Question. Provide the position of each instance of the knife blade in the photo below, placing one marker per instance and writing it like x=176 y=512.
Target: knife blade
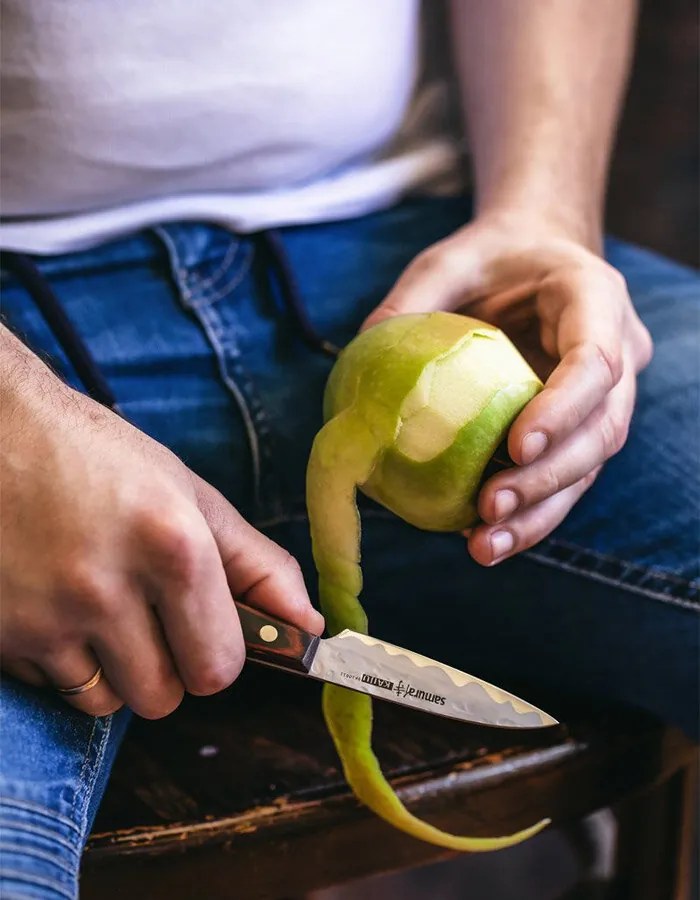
x=385 y=671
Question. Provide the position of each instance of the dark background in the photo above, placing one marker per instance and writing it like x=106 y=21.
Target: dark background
x=653 y=197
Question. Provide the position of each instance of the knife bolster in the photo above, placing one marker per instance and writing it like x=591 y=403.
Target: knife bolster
x=274 y=642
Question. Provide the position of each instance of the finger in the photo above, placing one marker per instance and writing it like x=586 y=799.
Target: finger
x=442 y=277
x=600 y=437
x=182 y=574
x=491 y=544
x=137 y=662
x=583 y=311
x=257 y=568
x=73 y=667
x=24 y=670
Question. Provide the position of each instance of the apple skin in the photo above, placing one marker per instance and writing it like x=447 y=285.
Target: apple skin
x=376 y=374
x=414 y=408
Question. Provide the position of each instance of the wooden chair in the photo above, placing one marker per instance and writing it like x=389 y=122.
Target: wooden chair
x=241 y=796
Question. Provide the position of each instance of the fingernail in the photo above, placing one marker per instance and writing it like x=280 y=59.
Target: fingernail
x=501 y=543
x=505 y=503
x=534 y=444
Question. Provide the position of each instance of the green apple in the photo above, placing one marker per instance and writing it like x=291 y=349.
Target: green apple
x=415 y=408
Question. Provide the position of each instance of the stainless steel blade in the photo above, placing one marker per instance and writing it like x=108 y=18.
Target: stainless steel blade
x=374 y=667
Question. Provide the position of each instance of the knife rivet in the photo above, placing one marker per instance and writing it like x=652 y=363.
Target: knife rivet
x=268 y=633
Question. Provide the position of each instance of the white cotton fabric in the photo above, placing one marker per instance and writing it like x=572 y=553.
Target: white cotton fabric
x=245 y=113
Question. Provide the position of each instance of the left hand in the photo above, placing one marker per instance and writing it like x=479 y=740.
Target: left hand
x=571 y=316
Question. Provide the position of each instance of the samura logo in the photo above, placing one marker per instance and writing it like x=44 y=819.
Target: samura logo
x=402 y=689
x=406 y=690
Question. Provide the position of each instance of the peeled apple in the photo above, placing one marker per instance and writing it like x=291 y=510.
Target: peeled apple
x=414 y=409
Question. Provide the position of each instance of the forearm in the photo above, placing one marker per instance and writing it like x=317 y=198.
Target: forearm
x=32 y=396
x=541 y=85
x=24 y=378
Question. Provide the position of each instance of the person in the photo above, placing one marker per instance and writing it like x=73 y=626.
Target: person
x=199 y=201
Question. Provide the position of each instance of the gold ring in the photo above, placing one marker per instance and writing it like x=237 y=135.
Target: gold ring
x=85 y=686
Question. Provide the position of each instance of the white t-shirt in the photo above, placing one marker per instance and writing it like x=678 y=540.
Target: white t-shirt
x=246 y=113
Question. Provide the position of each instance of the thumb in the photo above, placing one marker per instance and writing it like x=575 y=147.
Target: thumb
x=443 y=277
x=256 y=567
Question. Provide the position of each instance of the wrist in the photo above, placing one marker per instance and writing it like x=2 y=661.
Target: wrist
x=542 y=215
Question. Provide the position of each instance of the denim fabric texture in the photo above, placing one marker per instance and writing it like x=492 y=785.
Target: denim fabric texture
x=187 y=326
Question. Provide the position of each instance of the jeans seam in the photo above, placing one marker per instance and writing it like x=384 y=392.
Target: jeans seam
x=228 y=362
x=54 y=859
x=39 y=810
x=631 y=574
x=83 y=769
x=39 y=832
x=186 y=284
x=31 y=879
x=615 y=582
x=665 y=576
x=99 y=759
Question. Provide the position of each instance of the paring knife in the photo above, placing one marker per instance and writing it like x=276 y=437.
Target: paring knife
x=374 y=667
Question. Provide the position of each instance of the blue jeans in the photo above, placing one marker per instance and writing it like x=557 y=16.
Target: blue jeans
x=203 y=357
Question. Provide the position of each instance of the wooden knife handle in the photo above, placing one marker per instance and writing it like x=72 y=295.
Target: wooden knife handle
x=274 y=642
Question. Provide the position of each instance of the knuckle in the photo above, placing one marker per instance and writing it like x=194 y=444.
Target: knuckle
x=105 y=708
x=289 y=566
x=109 y=605
x=548 y=483
x=614 y=277
x=79 y=580
x=212 y=677
x=611 y=362
x=588 y=479
x=174 y=537
x=160 y=704
x=425 y=263
x=614 y=435
x=437 y=260
x=574 y=415
x=41 y=643
x=83 y=585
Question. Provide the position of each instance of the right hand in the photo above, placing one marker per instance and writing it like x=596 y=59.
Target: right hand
x=115 y=554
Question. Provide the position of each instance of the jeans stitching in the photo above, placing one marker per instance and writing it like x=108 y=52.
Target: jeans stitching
x=54 y=859
x=36 y=880
x=186 y=284
x=208 y=297
x=227 y=355
x=39 y=810
x=83 y=768
x=39 y=832
x=99 y=759
x=226 y=263
x=632 y=575
x=239 y=382
x=605 y=579
x=191 y=284
x=648 y=570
